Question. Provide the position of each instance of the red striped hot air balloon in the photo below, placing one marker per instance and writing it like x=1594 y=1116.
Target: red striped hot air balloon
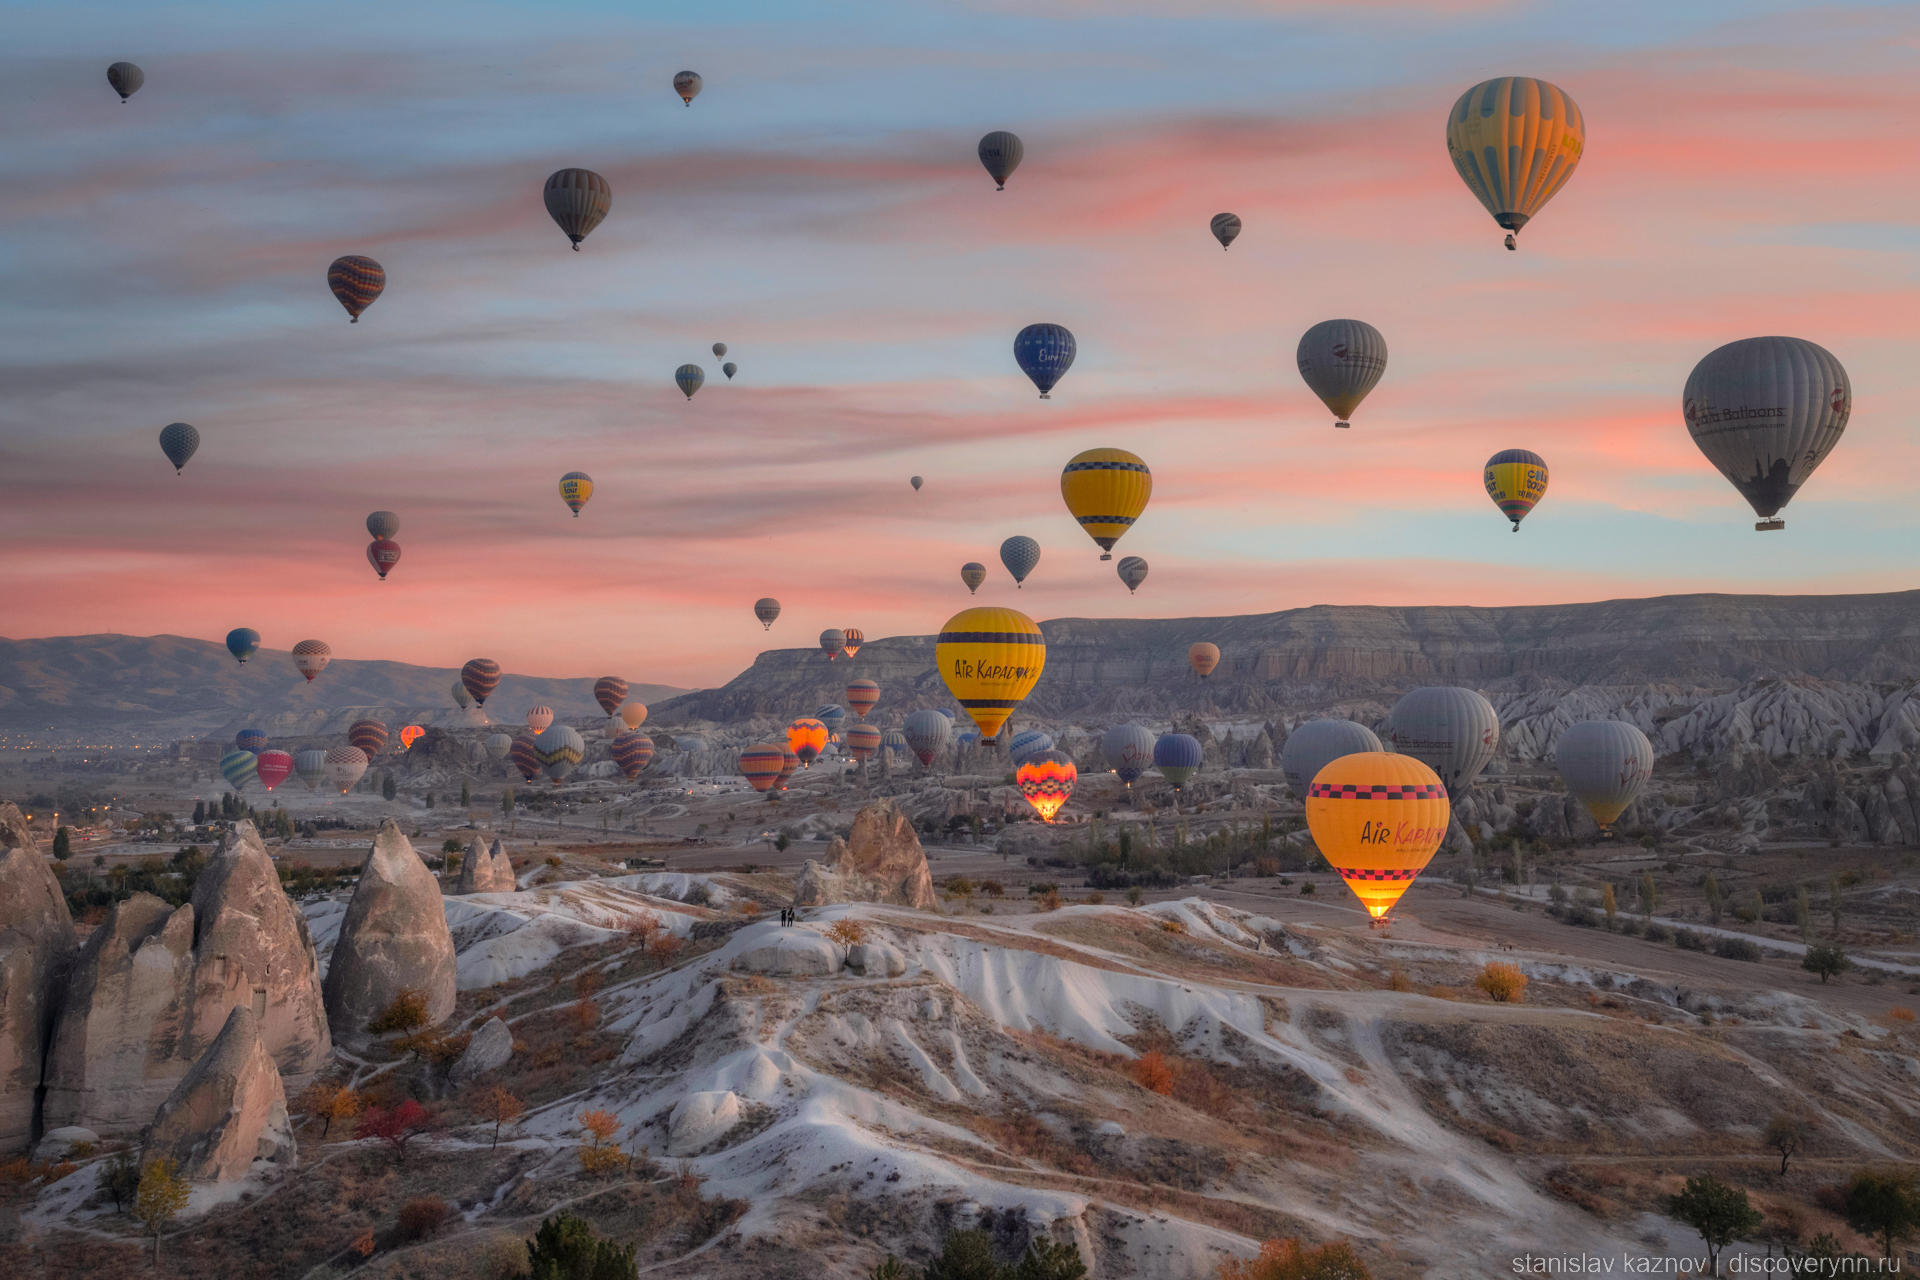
x=788 y=763
x=806 y=738
x=356 y=280
x=851 y=639
x=523 y=756
x=861 y=696
x=762 y=765
x=632 y=752
x=482 y=677
x=383 y=554
x=410 y=735
x=539 y=719
x=273 y=768
x=862 y=741
x=368 y=735
x=609 y=692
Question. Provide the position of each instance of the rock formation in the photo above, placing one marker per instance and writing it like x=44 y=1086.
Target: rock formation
x=482 y=871
x=154 y=986
x=37 y=945
x=789 y=953
x=700 y=1119
x=394 y=938
x=491 y=1046
x=228 y=1111
x=880 y=861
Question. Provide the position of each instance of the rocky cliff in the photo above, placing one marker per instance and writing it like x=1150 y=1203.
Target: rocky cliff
x=36 y=948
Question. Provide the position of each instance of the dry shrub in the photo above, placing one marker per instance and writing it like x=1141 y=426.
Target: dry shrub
x=586 y=982
x=644 y=928
x=1504 y=982
x=1023 y=1135
x=1150 y=1071
x=1195 y=1084
x=748 y=907
x=1173 y=926
x=663 y=948
x=1290 y=1260
x=1900 y=1013
x=1095 y=899
x=553 y=861
x=421 y=1217
x=583 y=1016
x=848 y=933
x=408 y=1011
x=1399 y=981
x=1050 y=901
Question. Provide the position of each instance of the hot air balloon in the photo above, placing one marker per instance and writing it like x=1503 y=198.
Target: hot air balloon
x=1516 y=480
x=1028 y=742
x=1177 y=757
x=853 y=638
x=1106 y=490
x=990 y=658
x=578 y=199
x=1001 y=153
x=237 y=767
x=461 y=698
x=1515 y=141
x=254 y=740
x=1318 y=743
x=575 y=488
x=1046 y=780
x=539 y=718
x=559 y=748
x=410 y=735
x=788 y=763
x=613 y=728
x=973 y=573
x=1225 y=227
x=310 y=658
x=382 y=524
x=806 y=738
x=633 y=714
x=179 y=440
x=926 y=733
x=967 y=738
x=1767 y=411
x=126 y=80
x=1377 y=818
x=1605 y=763
x=1132 y=571
x=482 y=677
x=356 y=280
x=312 y=767
x=766 y=608
x=632 y=752
x=523 y=755
x=383 y=554
x=1020 y=554
x=1341 y=361
x=729 y=368
x=1044 y=353
x=896 y=742
x=1203 y=658
x=832 y=714
x=719 y=350
x=243 y=643
x=687 y=85
x=1452 y=731
x=862 y=741
x=345 y=766
x=1128 y=750
x=861 y=696
x=916 y=482
x=498 y=745
x=760 y=765
x=273 y=768
x=609 y=692
x=832 y=641
x=690 y=378
x=368 y=735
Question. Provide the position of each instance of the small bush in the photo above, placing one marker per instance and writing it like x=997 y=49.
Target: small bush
x=1899 y=1013
x=407 y=1012
x=1150 y=1071
x=848 y=932
x=1689 y=940
x=1173 y=926
x=553 y=860
x=1095 y=899
x=1291 y=1260
x=1399 y=981
x=1658 y=933
x=1736 y=949
x=421 y=1218
x=1504 y=982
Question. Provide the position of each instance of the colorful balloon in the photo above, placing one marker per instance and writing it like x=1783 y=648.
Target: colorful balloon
x=632 y=752
x=254 y=740
x=690 y=378
x=578 y=200
x=1316 y=744
x=1203 y=658
x=1044 y=353
x=559 y=748
x=1128 y=749
x=895 y=742
x=243 y=643
x=382 y=524
x=237 y=767
x=345 y=766
x=1766 y=412
x=687 y=85
x=179 y=441
x=1452 y=731
x=609 y=692
x=523 y=755
x=1177 y=757
x=1020 y=554
x=1106 y=490
x=633 y=714
x=788 y=763
x=861 y=696
x=1225 y=227
x=927 y=732
x=1378 y=818
x=383 y=554
x=766 y=608
x=482 y=677
x=461 y=698
x=539 y=718
x=1001 y=153
x=1515 y=141
x=126 y=80
x=729 y=368
x=1341 y=361
x=760 y=765
x=1605 y=764
x=1516 y=480
x=852 y=639
x=862 y=741
x=310 y=658
x=1028 y=742
x=990 y=658
x=498 y=745
x=832 y=641
x=973 y=573
x=806 y=738
x=410 y=735
x=273 y=768
x=312 y=767
x=1132 y=571
x=1046 y=780
x=368 y=735
x=575 y=488
x=356 y=280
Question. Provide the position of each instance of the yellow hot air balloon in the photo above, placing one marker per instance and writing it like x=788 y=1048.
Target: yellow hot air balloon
x=1515 y=141
x=990 y=659
x=1378 y=818
x=1516 y=480
x=1106 y=490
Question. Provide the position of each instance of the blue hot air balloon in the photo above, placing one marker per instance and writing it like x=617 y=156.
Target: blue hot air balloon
x=1177 y=757
x=1020 y=554
x=237 y=767
x=254 y=740
x=178 y=440
x=690 y=377
x=1026 y=743
x=243 y=643
x=1045 y=353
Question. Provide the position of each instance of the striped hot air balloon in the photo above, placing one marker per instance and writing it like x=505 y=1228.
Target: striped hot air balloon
x=126 y=79
x=1378 y=817
x=632 y=752
x=1177 y=757
x=1453 y=731
x=1001 y=153
x=1316 y=744
x=1515 y=141
x=894 y=742
x=498 y=745
x=1106 y=490
x=237 y=767
x=689 y=378
x=806 y=738
x=1028 y=743
x=538 y=718
x=346 y=766
x=832 y=642
x=273 y=768
x=851 y=640
x=1225 y=228
x=368 y=735
x=788 y=763
x=990 y=658
x=609 y=692
x=760 y=765
x=1341 y=361
x=254 y=740
x=356 y=280
x=559 y=748
x=482 y=677
x=310 y=658
x=861 y=696
x=578 y=200
x=1046 y=780
x=524 y=757
x=312 y=767
x=1766 y=412
x=1516 y=480
x=862 y=741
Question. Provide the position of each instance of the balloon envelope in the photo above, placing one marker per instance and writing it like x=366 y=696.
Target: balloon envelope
x=1316 y=744
x=578 y=200
x=719 y=349
x=1225 y=227
x=1132 y=571
x=1377 y=818
x=576 y=487
x=368 y=735
x=126 y=79
x=861 y=696
x=633 y=714
x=832 y=641
x=382 y=524
x=1203 y=657
x=237 y=767
x=1106 y=490
x=729 y=368
x=243 y=643
x=254 y=740
x=1605 y=763
x=461 y=698
x=1177 y=757
x=766 y=608
x=311 y=764
x=990 y=658
x=345 y=766
x=523 y=755
x=761 y=765
x=558 y=750
x=356 y=280
x=1341 y=361
x=690 y=378
x=1028 y=742
x=851 y=640
x=806 y=738
x=383 y=554
x=973 y=573
x=1515 y=141
x=538 y=718
x=1516 y=480
x=862 y=741
x=926 y=733
x=1001 y=153
x=310 y=658
x=1766 y=412
x=410 y=735
x=632 y=752
x=1128 y=749
x=1020 y=554
x=916 y=482
x=481 y=676
x=179 y=440
x=687 y=84
x=498 y=745
x=273 y=768
x=1451 y=730
x=609 y=692
x=788 y=763
x=1046 y=780
x=1044 y=353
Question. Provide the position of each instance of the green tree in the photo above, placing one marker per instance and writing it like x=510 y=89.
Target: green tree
x=387 y=788
x=1833 y=902
x=1785 y=1135
x=1649 y=894
x=1047 y=1259
x=429 y=799
x=120 y=1178
x=1825 y=959
x=62 y=843
x=1720 y=1213
x=506 y=800
x=564 y=1249
x=1711 y=888
x=893 y=1269
x=781 y=841
x=964 y=1255
x=1803 y=915
x=1884 y=1203
x=199 y=812
x=160 y=1197
x=466 y=794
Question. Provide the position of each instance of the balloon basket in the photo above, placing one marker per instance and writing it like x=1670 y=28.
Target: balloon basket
x=1768 y=526
x=1380 y=922
x=1343 y=425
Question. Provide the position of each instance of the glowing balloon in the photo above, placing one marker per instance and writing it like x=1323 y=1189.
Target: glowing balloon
x=609 y=692
x=1516 y=480
x=1605 y=763
x=1177 y=757
x=1128 y=749
x=1225 y=227
x=926 y=733
x=1377 y=818
x=632 y=752
x=1515 y=141
x=575 y=488
x=1316 y=744
x=990 y=658
x=1106 y=490
x=766 y=609
x=356 y=280
x=1046 y=780
x=237 y=767
x=1044 y=353
x=1341 y=361
x=481 y=676
x=410 y=735
x=1766 y=412
x=1203 y=657
x=760 y=765
x=273 y=768
x=1452 y=731
x=243 y=643
x=345 y=766
x=539 y=718
x=973 y=573
x=368 y=735
x=578 y=200
x=1132 y=571
x=179 y=441
x=861 y=696
x=851 y=640
x=1001 y=153
x=806 y=738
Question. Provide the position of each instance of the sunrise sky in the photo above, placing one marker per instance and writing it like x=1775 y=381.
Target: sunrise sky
x=1751 y=168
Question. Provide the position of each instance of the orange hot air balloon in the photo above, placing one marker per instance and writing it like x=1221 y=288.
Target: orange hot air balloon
x=855 y=637
x=861 y=697
x=633 y=714
x=1378 y=818
x=1046 y=780
x=806 y=738
x=761 y=764
x=788 y=763
x=410 y=735
x=1204 y=657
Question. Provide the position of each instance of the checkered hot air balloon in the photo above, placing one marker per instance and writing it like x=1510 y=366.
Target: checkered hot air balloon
x=345 y=766
x=310 y=658
x=1378 y=817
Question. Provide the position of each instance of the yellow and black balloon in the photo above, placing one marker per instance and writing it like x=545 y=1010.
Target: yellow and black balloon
x=1106 y=490
x=1516 y=481
x=990 y=658
x=1378 y=818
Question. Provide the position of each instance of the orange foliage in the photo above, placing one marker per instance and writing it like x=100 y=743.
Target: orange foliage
x=1290 y=1260
x=1150 y=1071
x=848 y=933
x=1502 y=981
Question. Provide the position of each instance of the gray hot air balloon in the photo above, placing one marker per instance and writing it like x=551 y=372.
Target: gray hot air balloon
x=311 y=765
x=927 y=732
x=1020 y=554
x=1225 y=227
x=1001 y=152
x=1452 y=731
x=973 y=573
x=579 y=200
x=126 y=79
x=382 y=524
x=916 y=482
x=729 y=368
x=766 y=608
x=179 y=440
x=687 y=85
x=1132 y=571
x=461 y=698
x=1342 y=360
x=1605 y=763
x=719 y=349
x=1767 y=411
x=1129 y=751
x=498 y=745
x=1318 y=743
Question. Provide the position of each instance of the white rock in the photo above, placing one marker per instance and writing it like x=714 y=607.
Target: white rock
x=700 y=1119
x=790 y=953
x=491 y=1046
x=876 y=960
x=58 y=1143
